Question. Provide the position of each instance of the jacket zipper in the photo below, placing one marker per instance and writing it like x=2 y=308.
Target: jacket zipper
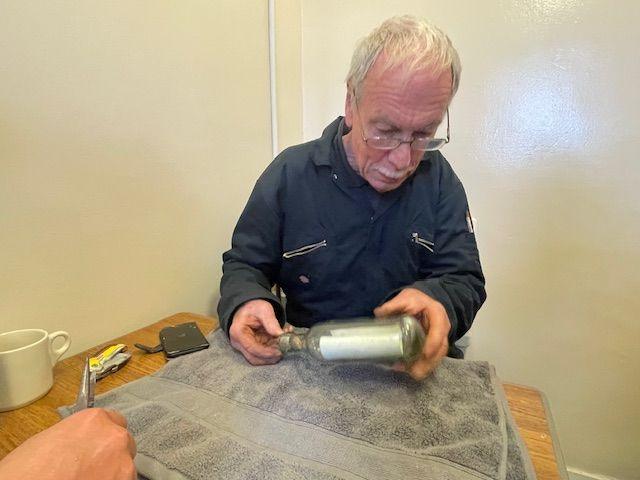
x=304 y=250
x=422 y=242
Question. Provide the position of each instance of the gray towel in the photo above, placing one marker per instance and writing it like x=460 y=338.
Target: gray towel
x=211 y=415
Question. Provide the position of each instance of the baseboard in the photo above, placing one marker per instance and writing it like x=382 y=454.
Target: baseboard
x=577 y=474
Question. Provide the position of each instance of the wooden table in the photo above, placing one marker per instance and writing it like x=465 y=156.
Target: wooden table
x=526 y=404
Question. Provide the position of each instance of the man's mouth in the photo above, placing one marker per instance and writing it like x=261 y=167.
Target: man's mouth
x=390 y=174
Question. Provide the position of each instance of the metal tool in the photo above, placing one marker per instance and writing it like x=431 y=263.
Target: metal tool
x=109 y=360
x=87 y=388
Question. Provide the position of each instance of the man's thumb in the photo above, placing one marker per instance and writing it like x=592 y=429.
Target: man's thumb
x=272 y=326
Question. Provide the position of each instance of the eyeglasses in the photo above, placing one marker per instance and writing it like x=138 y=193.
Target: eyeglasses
x=423 y=144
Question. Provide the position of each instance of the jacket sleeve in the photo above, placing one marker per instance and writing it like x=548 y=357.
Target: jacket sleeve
x=455 y=276
x=249 y=268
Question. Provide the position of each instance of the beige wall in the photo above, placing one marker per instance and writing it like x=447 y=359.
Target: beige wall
x=131 y=134
x=545 y=135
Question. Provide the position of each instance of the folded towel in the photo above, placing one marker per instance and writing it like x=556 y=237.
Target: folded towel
x=211 y=415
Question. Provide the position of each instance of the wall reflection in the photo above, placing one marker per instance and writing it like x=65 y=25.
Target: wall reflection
x=542 y=12
x=534 y=106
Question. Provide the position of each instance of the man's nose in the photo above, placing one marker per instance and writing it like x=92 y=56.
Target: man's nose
x=400 y=156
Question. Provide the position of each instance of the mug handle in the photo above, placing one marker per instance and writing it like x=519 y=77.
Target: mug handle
x=57 y=353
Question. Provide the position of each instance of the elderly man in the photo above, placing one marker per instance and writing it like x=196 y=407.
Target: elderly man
x=370 y=218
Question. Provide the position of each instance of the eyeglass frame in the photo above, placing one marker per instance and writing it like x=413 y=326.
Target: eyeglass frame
x=400 y=142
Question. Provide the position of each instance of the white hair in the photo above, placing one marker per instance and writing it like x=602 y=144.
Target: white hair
x=406 y=41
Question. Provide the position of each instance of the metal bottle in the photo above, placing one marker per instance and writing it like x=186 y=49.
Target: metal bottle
x=386 y=340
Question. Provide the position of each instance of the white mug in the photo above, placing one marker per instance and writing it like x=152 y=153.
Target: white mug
x=27 y=358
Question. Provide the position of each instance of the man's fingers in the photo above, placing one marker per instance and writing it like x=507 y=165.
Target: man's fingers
x=248 y=342
x=434 y=342
x=399 y=367
x=443 y=352
x=439 y=350
x=395 y=305
x=421 y=368
x=258 y=360
x=259 y=313
x=427 y=363
x=435 y=321
x=249 y=333
x=121 y=421
x=437 y=335
x=261 y=351
x=131 y=444
x=271 y=325
x=247 y=345
x=116 y=417
x=408 y=301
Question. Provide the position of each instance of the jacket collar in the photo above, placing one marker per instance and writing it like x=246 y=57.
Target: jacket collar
x=322 y=154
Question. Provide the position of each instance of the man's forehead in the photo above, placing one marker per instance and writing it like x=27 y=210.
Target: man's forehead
x=425 y=86
x=399 y=103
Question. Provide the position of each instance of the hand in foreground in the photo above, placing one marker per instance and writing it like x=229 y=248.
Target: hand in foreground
x=254 y=332
x=435 y=321
x=93 y=443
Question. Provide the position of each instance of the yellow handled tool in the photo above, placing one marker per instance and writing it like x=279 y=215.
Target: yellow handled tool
x=109 y=360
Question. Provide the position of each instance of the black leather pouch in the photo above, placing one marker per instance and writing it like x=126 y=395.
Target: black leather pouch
x=179 y=340
x=182 y=339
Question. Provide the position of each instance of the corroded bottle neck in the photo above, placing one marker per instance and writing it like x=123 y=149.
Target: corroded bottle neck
x=291 y=342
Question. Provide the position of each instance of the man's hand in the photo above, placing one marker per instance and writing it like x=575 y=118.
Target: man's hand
x=254 y=332
x=93 y=443
x=435 y=321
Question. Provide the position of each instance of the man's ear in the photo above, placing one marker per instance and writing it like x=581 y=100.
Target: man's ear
x=348 y=109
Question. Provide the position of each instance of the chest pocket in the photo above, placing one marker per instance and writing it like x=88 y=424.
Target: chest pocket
x=422 y=249
x=425 y=241
x=305 y=261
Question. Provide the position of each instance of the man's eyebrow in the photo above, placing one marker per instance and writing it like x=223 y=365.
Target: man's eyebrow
x=393 y=126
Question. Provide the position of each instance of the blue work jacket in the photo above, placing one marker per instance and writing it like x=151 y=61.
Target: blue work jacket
x=338 y=249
